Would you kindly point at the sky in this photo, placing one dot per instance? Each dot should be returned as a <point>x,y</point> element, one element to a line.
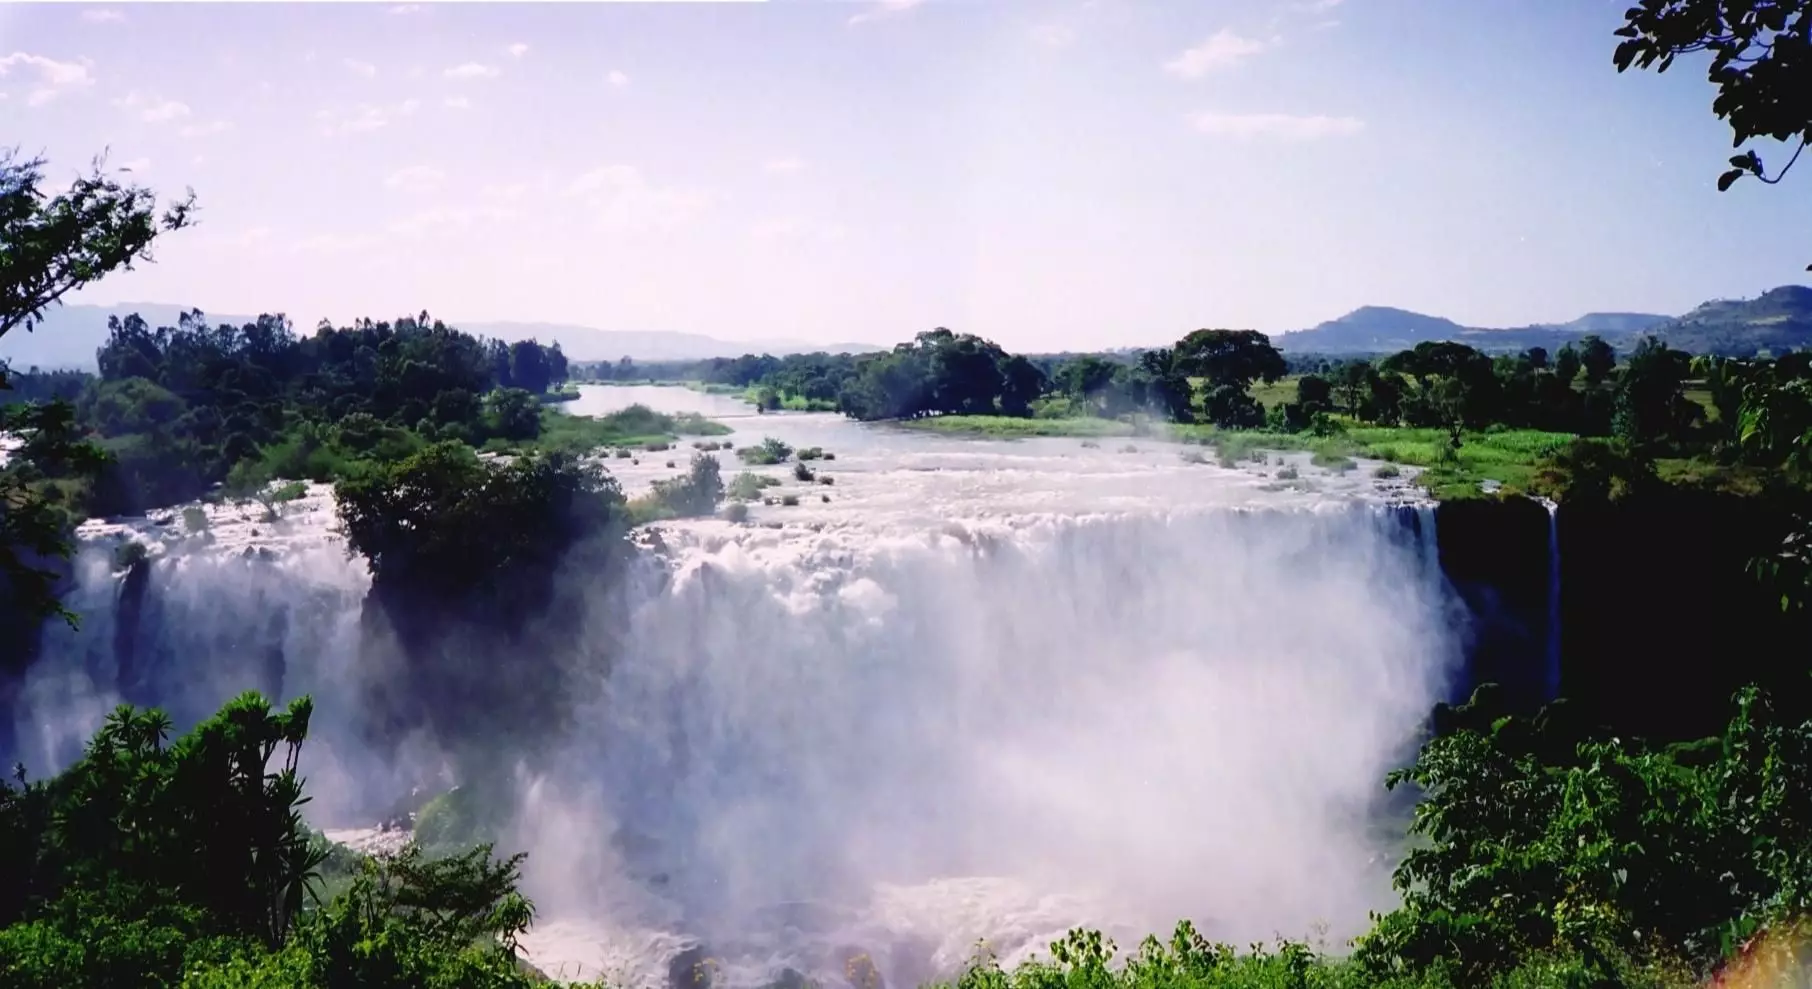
<point>1073,174</point>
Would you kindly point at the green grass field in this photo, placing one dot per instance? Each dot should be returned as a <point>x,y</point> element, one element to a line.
<point>1507,457</point>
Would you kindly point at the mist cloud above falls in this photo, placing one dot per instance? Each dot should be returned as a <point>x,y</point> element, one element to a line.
<point>1115,722</point>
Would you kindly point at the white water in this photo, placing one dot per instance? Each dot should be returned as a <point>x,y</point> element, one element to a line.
<point>988,690</point>
<point>1552,670</point>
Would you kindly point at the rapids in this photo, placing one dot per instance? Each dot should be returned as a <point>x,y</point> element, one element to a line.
<point>973,691</point>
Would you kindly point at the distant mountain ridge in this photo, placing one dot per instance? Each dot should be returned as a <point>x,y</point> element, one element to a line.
<point>70,335</point>
<point>1779,319</point>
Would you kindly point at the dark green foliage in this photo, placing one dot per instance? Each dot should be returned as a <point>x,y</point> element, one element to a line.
<point>51,245</point>
<point>1759,64</point>
<point>1531,840</point>
<point>696,494</point>
<point>770,451</point>
<point>445,520</point>
<point>181,408</point>
<point>152,864</point>
<point>940,372</point>
<point>1651,398</point>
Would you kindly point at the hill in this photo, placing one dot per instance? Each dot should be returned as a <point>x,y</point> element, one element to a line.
<point>1778,320</point>
<point>1384,330</point>
<point>70,335</point>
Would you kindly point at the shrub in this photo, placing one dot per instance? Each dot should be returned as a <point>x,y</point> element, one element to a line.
<point>748,485</point>
<point>1387,471</point>
<point>129,554</point>
<point>696,494</point>
<point>789,500</point>
<point>737,512</point>
<point>194,520</point>
<point>769,451</point>
<point>803,473</point>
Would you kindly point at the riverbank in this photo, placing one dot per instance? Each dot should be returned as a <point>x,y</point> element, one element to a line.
<point>1501,460</point>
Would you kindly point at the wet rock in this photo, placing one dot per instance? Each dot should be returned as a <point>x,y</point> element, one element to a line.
<point>790,978</point>
<point>693,968</point>
<point>859,969</point>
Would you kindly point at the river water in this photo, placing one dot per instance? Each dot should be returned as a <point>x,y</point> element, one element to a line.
<point>974,690</point>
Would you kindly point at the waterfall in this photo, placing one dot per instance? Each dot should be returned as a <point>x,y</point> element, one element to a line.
<point>865,733</point>
<point>1552,668</point>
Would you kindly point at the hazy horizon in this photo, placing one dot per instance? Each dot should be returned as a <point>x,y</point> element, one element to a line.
<point>1054,176</point>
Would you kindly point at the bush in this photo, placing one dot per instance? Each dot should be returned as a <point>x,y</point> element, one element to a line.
<point>737,512</point>
<point>803,473</point>
<point>789,500</point>
<point>1387,471</point>
<point>770,451</point>
<point>697,493</point>
<point>195,520</point>
<point>748,485</point>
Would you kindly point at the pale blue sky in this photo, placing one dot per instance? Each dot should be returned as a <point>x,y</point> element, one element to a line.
<point>1070,174</point>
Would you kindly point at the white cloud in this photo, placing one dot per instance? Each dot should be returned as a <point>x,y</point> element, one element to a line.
<point>406,8</point>
<point>206,130</point>
<point>334,243</point>
<point>54,77</point>
<point>1224,50</point>
<point>1276,126</point>
<point>473,70</point>
<point>793,228</point>
<point>135,165</point>
<point>1054,35</point>
<point>456,103</point>
<point>416,179</point>
<point>1321,6</point>
<point>884,8</point>
<point>624,200</point>
<point>446,218</point>
<point>514,192</point>
<point>153,109</point>
<point>617,78</point>
<point>784,166</point>
<point>359,68</point>
<point>364,118</point>
<point>102,16</point>
<point>518,49</point>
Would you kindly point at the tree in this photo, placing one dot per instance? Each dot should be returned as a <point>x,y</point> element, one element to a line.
<point>1314,393</point>
<point>1651,396</point>
<point>52,245</point>
<point>1597,359</point>
<point>1230,357</point>
<point>49,247</point>
<point>1566,364</point>
<point>1759,65</point>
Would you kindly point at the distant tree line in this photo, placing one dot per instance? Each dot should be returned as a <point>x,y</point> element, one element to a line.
<point>181,408</point>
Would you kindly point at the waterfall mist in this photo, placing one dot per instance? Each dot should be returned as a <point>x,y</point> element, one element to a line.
<point>790,746</point>
<point>992,732</point>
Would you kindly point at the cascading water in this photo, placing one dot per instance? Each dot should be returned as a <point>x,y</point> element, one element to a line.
<point>958,701</point>
<point>1552,668</point>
